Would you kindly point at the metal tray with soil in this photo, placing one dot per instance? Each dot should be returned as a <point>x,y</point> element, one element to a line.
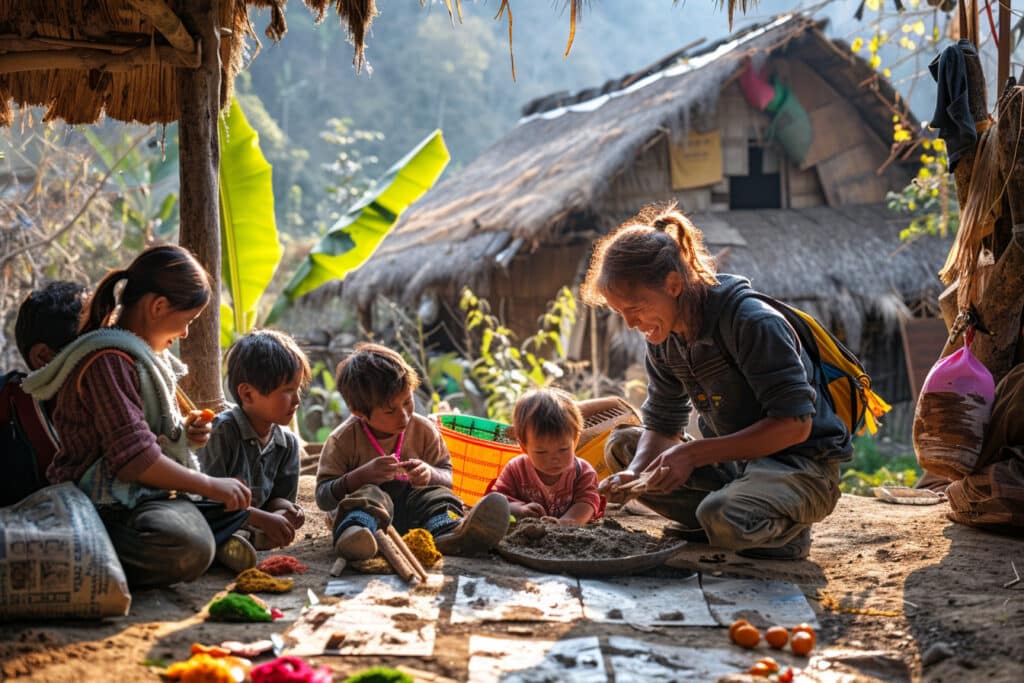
<point>604,548</point>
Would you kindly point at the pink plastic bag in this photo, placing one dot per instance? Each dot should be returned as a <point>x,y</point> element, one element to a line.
<point>952,413</point>
<point>756,89</point>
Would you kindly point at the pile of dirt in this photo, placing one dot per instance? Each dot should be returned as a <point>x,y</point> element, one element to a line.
<point>603,540</point>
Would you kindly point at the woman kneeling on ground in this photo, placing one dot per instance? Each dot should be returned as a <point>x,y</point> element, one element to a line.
<point>768,465</point>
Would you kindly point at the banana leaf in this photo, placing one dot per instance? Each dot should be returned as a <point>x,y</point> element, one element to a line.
<point>357,234</point>
<point>250,250</point>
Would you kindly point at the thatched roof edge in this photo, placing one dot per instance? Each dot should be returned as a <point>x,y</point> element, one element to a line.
<point>93,40</point>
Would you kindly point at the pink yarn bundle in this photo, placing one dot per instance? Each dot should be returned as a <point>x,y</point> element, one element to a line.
<point>290,670</point>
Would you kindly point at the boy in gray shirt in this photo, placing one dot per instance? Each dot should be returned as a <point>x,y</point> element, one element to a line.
<point>251,441</point>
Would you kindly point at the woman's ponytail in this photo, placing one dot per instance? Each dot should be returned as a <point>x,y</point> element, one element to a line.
<point>101,304</point>
<point>692,252</point>
<point>166,270</point>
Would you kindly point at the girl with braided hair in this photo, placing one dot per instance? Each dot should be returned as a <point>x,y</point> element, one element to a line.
<point>768,464</point>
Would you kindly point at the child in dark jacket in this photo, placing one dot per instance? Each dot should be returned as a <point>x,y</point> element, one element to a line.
<point>251,441</point>
<point>47,322</point>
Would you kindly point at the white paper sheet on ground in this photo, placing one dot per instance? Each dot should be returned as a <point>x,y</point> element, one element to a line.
<point>763,603</point>
<point>637,660</point>
<point>516,598</point>
<point>378,615</point>
<point>646,601</point>
<point>575,660</point>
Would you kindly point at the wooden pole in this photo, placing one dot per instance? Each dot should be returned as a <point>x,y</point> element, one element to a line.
<point>199,155</point>
<point>1005,48</point>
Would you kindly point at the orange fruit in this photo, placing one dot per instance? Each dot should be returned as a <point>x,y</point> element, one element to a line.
<point>805,628</point>
<point>760,669</point>
<point>734,626</point>
<point>773,666</point>
<point>802,643</point>
<point>747,636</point>
<point>777,636</point>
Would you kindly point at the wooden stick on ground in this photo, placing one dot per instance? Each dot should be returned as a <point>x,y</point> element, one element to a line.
<point>395,557</point>
<point>403,548</point>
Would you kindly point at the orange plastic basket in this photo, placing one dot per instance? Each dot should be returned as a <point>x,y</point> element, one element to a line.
<point>479,449</point>
<point>593,452</point>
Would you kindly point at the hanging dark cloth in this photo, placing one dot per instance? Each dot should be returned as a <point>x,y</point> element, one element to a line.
<point>952,115</point>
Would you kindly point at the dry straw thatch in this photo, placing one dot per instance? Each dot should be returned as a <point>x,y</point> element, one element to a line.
<point>546,178</point>
<point>125,66</point>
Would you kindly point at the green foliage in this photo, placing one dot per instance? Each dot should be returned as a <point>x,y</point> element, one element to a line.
<point>501,370</point>
<point>250,250</point>
<point>443,375</point>
<point>146,180</point>
<point>322,408</point>
<point>354,238</point>
<point>870,468</point>
<point>930,198</point>
<point>346,173</point>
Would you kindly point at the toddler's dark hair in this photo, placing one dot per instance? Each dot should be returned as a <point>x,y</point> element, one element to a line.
<point>546,413</point>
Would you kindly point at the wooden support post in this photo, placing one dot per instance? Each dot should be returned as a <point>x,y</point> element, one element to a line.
<point>1002,302</point>
<point>977,102</point>
<point>1005,48</point>
<point>1000,310</point>
<point>199,155</point>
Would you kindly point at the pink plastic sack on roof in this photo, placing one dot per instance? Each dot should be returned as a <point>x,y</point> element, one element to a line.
<point>952,413</point>
<point>757,91</point>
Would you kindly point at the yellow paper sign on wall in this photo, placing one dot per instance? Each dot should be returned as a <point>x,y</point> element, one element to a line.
<point>698,163</point>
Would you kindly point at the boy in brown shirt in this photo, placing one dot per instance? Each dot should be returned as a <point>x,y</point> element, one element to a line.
<point>387,465</point>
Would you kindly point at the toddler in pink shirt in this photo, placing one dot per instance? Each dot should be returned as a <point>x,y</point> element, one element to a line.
<point>548,480</point>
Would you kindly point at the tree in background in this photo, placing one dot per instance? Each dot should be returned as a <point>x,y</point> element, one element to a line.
<point>71,207</point>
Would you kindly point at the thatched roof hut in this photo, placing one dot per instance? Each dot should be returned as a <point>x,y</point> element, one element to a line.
<point>518,222</point>
<point>548,180</point>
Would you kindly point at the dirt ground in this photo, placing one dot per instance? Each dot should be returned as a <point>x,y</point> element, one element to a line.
<point>902,594</point>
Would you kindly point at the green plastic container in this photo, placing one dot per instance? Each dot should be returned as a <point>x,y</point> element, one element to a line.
<point>479,428</point>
